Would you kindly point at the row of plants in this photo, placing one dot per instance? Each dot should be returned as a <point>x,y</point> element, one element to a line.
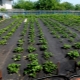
<point>10,33</point>
<point>34,66</point>
<point>15,67</point>
<point>69,20</point>
<point>43,42</point>
<point>54,27</point>
<point>4,30</point>
<point>48,66</point>
<point>59,31</point>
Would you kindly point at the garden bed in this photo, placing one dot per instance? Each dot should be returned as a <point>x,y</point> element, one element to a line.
<point>34,51</point>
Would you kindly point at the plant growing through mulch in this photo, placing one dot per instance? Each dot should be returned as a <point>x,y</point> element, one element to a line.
<point>33,68</point>
<point>66,46</point>
<point>49,67</point>
<point>17,57</point>
<point>73,54</point>
<point>32,56</point>
<point>13,68</point>
<point>31,49</point>
<point>18,49</point>
<point>76,45</point>
<point>43,47</point>
<point>47,55</point>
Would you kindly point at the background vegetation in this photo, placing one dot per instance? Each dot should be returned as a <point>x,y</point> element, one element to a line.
<point>45,5</point>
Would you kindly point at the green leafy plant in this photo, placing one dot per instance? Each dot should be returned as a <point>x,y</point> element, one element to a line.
<point>49,67</point>
<point>66,46</point>
<point>43,47</point>
<point>47,55</point>
<point>71,39</point>
<point>73,35</point>
<point>32,68</point>
<point>31,41</point>
<point>17,57</point>
<point>65,35</point>
<point>31,49</point>
<point>18,49</point>
<point>73,54</point>
<point>13,68</point>
<point>3,42</point>
<point>43,42</point>
<point>32,56</point>
<point>76,45</point>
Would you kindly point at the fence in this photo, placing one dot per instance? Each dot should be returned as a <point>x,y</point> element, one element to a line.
<point>37,12</point>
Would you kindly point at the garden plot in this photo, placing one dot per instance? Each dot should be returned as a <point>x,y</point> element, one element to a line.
<point>31,48</point>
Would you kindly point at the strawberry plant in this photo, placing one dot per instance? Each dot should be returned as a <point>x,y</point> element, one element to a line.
<point>43,47</point>
<point>13,68</point>
<point>33,68</point>
<point>32,56</point>
<point>31,49</point>
<point>18,50</point>
<point>71,39</point>
<point>3,42</point>
<point>5,37</point>
<point>76,45</point>
<point>66,46</point>
<point>49,67</point>
<point>31,41</point>
<point>17,57</point>
<point>47,55</point>
<point>73,54</point>
<point>43,42</point>
<point>65,35</point>
<point>73,35</point>
<point>21,40</point>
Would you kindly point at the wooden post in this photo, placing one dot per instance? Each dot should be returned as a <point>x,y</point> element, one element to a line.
<point>0,75</point>
<point>58,65</point>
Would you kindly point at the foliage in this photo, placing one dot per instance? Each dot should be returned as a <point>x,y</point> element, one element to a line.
<point>47,55</point>
<point>76,45</point>
<point>31,49</point>
<point>43,42</point>
<point>17,57</point>
<point>43,47</point>
<point>66,46</point>
<point>13,68</point>
<point>32,68</point>
<point>18,50</point>
<point>73,54</point>
<point>32,56</point>
<point>49,67</point>
<point>45,5</point>
<point>3,42</point>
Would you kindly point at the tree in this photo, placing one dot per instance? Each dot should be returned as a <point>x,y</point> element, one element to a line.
<point>47,4</point>
<point>67,6</point>
<point>22,4</point>
<point>77,7</point>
